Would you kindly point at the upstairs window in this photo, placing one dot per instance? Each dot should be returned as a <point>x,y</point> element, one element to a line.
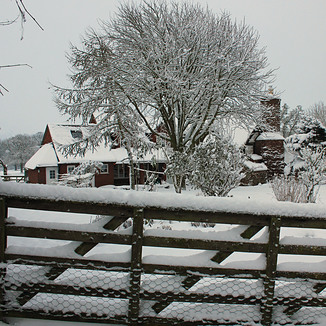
<point>76,134</point>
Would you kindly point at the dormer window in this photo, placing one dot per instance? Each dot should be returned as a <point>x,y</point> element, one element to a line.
<point>76,134</point>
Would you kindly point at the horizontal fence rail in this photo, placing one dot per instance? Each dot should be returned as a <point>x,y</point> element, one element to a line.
<point>69,281</point>
<point>15,177</point>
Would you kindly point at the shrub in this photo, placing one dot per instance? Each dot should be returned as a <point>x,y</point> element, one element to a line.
<point>290,189</point>
<point>215,167</point>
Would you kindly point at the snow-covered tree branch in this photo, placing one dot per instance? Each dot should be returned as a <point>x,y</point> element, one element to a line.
<point>172,68</point>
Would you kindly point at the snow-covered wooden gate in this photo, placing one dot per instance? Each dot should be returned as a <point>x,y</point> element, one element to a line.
<point>68,282</point>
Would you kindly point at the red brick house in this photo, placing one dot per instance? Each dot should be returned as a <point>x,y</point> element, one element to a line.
<point>49,162</point>
<point>264,148</point>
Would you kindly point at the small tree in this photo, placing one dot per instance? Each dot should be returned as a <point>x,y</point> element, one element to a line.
<point>303,187</point>
<point>318,111</point>
<point>313,170</point>
<point>178,169</point>
<point>290,119</point>
<point>289,188</point>
<point>310,133</point>
<point>215,167</point>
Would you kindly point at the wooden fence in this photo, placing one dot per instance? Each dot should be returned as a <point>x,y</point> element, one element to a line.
<point>16,177</point>
<point>153,290</point>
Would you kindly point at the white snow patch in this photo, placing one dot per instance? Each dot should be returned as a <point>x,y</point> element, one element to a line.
<point>164,200</point>
<point>270,136</point>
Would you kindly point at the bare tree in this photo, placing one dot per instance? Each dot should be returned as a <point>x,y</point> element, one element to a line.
<point>22,12</point>
<point>290,119</point>
<point>177,66</point>
<point>318,111</point>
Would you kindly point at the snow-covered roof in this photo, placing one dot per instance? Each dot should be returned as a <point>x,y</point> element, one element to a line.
<point>253,166</point>
<point>105,154</point>
<point>45,156</point>
<point>63,134</point>
<point>270,136</point>
<point>256,157</point>
<point>51,154</point>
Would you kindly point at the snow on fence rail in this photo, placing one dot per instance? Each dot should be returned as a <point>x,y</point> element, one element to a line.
<point>16,177</point>
<point>71,281</point>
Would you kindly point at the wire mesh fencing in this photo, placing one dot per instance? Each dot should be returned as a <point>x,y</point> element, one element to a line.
<point>84,279</point>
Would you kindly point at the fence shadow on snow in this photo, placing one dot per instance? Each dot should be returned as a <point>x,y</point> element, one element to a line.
<point>68,282</point>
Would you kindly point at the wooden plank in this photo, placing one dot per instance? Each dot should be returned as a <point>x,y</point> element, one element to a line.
<point>304,275</point>
<point>248,233</point>
<point>302,250</point>
<point>3,237</point>
<point>301,301</point>
<point>223,253</point>
<point>295,305</point>
<point>271,264</point>
<point>202,271</point>
<point>66,316</point>
<point>304,222</point>
<point>200,298</point>
<point>114,223</point>
<point>251,231</point>
<point>65,263</point>
<point>136,267</point>
<point>3,245</point>
<point>187,243</point>
<point>160,321</point>
<point>55,272</point>
<point>59,234</point>
<point>205,216</point>
<point>164,214</point>
<point>69,206</point>
<point>55,288</point>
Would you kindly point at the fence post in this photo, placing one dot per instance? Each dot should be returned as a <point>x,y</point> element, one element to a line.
<point>136,266</point>
<point>3,245</point>
<point>271,265</point>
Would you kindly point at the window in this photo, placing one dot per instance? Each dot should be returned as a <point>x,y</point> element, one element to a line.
<point>121,171</point>
<point>105,169</point>
<point>76,134</point>
<point>52,174</point>
<point>70,168</point>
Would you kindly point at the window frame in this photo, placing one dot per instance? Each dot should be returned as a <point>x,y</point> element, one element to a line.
<point>69,167</point>
<point>52,174</point>
<point>105,171</point>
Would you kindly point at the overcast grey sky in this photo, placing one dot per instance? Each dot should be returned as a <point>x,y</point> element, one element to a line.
<point>293,32</point>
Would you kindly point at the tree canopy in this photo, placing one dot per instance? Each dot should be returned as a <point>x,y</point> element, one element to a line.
<point>171,68</point>
<point>17,150</point>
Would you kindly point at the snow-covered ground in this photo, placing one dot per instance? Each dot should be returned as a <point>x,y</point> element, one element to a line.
<point>245,198</point>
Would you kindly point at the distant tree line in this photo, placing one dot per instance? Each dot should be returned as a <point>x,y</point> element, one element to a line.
<point>16,151</point>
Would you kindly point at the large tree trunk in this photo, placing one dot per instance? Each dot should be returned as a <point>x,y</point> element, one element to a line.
<point>179,183</point>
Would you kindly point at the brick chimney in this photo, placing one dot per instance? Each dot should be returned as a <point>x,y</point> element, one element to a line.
<point>271,112</point>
